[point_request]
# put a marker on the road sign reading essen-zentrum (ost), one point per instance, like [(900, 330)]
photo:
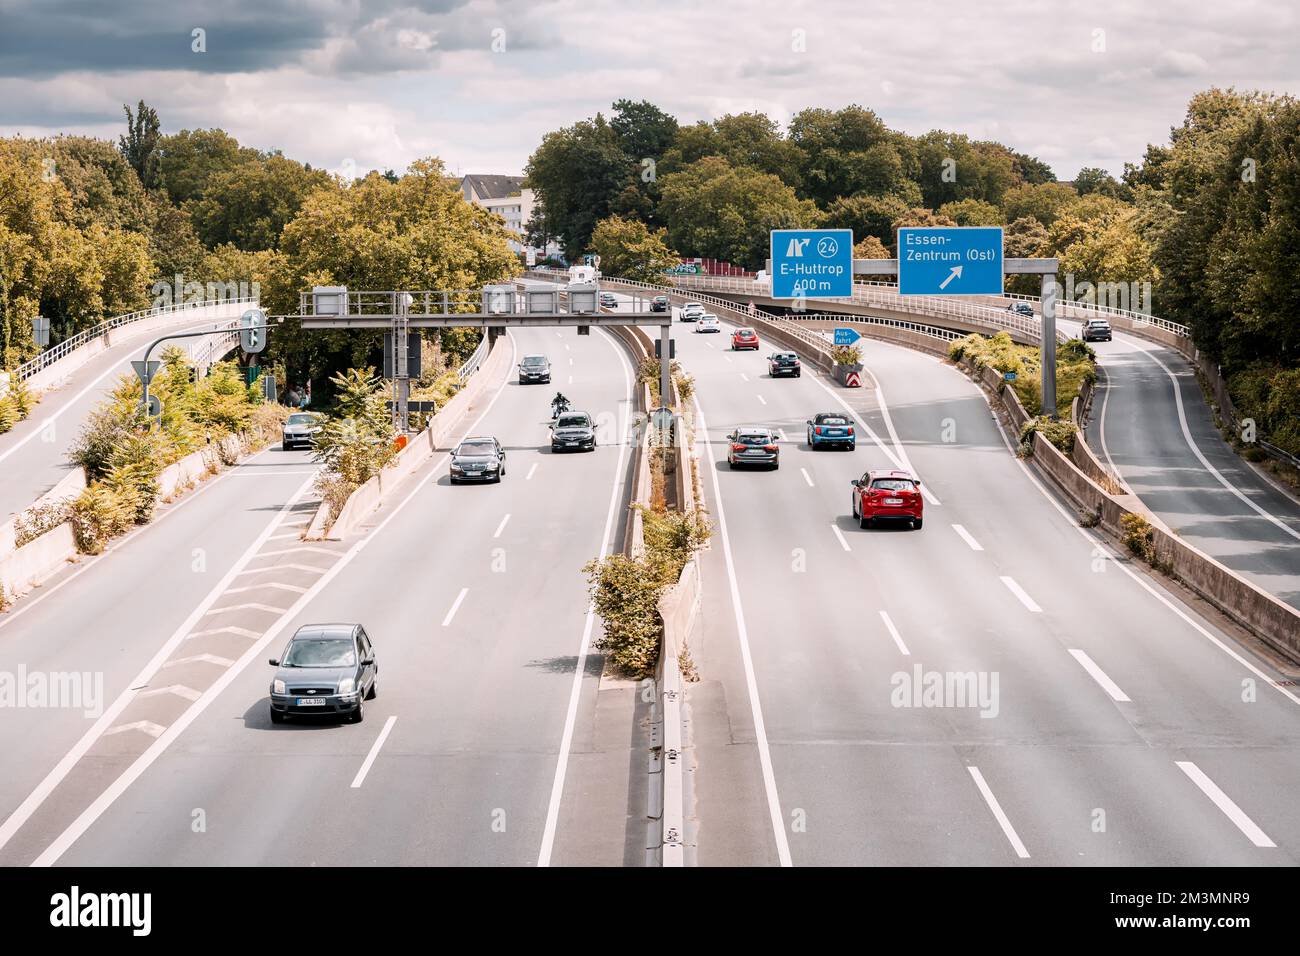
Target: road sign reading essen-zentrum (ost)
[(812, 263), (952, 260)]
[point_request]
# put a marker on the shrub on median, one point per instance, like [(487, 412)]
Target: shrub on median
[(101, 513), (1059, 432), (40, 518), (1138, 536), (1075, 364)]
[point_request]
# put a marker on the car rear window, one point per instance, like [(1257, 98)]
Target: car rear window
[(893, 484), (744, 333), (832, 420), (754, 438)]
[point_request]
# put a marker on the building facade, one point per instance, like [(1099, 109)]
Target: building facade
[(507, 197)]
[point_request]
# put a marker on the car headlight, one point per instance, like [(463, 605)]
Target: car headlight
[(493, 465), (278, 687), (456, 468), (347, 686)]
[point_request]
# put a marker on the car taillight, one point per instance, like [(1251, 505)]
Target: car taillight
[(850, 429), (769, 448), (737, 447), (819, 429)]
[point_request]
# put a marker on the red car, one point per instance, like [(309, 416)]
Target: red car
[(744, 339), (889, 496)]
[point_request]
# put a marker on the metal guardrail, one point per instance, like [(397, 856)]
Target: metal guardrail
[(218, 344), (474, 361), (935, 331), (69, 345)]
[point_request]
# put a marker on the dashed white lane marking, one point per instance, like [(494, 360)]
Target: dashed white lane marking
[(282, 567), (839, 535), (144, 726), (570, 382), (374, 752), (501, 527), (570, 362), (566, 346), (179, 690), (201, 659), (455, 606), (762, 399), (1001, 817), (1221, 800), (967, 537), (782, 434), (252, 606), (807, 477), (269, 584), (1020, 593), (744, 376), (1100, 676), (238, 631), (893, 632), (528, 477)]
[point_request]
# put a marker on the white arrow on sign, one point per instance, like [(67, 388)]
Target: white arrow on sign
[(953, 273)]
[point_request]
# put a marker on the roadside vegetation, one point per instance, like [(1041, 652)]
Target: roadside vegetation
[(16, 405), (356, 440), (649, 371), (1075, 364)]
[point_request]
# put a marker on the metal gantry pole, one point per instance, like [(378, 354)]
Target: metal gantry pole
[(1047, 358), (401, 369), (665, 362)]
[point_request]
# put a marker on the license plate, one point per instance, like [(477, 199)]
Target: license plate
[(311, 701), (573, 441), (893, 501), (835, 433)]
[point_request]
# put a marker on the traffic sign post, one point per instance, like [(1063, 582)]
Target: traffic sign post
[(846, 336), (812, 263), (950, 260)]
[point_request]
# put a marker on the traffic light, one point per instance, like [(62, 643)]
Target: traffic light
[(672, 348), (584, 330)]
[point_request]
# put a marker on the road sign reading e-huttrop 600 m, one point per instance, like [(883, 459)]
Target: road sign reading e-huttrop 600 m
[(812, 263), (950, 261)]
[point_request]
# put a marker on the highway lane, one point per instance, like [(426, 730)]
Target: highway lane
[(476, 603), (859, 780), (106, 616), (34, 454), (1235, 516)]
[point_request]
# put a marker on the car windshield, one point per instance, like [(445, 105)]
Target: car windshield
[(301, 419), (708, 318), (572, 421), (893, 484), (472, 448), (754, 438), (320, 652), (532, 360), (832, 420)]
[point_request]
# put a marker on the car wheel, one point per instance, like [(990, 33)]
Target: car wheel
[(776, 465), (731, 464), (863, 520), (374, 690), (359, 714), (797, 374), (276, 716), (916, 524)]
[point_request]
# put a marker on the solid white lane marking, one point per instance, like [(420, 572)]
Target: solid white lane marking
[(751, 682), (807, 477), (178, 690), (967, 537), (1101, 428), (374, 752), (1099, 546), (839, 535), (575, 689), (1205, 462), (1099, 675), (1221, 800), (893, 632), (529, 476), (1001, 817), (762, 399), (145, 726), (109, 796), (1020, 593), (501, 527), (455, 606)]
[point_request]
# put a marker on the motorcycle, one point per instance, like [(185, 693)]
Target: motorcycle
[(559, 407)]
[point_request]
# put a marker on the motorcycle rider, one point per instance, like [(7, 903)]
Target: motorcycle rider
[(559, 404)]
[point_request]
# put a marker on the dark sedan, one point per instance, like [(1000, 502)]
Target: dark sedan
[(534, 368), (478, 459), (659, 303), (573, 431), (326, 669), (783, 363)]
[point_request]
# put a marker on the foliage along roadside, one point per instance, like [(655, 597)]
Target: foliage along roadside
[(1075, 364)]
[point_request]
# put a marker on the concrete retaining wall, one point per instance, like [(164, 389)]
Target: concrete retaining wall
[(71, 485), (22, 569)]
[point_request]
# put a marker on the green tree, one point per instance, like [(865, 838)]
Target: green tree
[(1091, 179), (250, 204), (140, 143), (576, 174), (846, 152), (972, 212), (190, 158), (1042, 202), (868, 215), (630, 250)]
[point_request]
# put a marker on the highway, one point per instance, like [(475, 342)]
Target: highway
[(34, 453), (493, 739), (1118, 733), (1150, 424)]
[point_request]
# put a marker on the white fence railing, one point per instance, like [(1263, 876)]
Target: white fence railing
[(474, 361), (69, 345)]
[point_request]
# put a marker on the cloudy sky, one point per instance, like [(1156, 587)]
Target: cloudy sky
[(360, 84)]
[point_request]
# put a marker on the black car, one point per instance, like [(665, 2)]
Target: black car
[(1096, 330), (659, 303), (326, 669), (535, 368), (478, 459), (608, 300), (1021, 308), (753, 445), (783, 363), (573, 431)]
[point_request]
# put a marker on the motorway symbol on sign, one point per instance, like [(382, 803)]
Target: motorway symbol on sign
[(812, 263), (853, 380), (950, 260), (145, 370), (1009, 376), (846, 336), (252, 335)]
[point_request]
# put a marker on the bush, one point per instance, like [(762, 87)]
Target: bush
[(38, 519), (334, 491), (626, 595), (1089, 517), (107, 427), (1060, 433), (98, 515), (1137, 535), (1075, 364), (9, 415), (846, 354), (134, 466)]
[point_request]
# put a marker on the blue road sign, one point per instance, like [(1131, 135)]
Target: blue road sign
[(846, 336), (1009, 376), (950, 261), (812, 263)]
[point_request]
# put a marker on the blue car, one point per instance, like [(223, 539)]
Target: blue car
[(831, 430)]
